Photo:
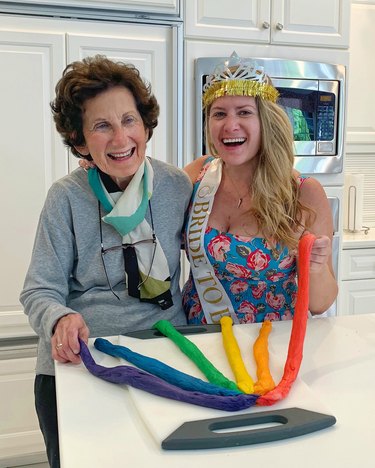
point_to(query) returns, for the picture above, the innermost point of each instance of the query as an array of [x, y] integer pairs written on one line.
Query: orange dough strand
[[232, 350], [297, 337], [265, 381]]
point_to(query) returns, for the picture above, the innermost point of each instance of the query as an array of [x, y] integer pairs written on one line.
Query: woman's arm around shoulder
[[194, 168], [323, 285]]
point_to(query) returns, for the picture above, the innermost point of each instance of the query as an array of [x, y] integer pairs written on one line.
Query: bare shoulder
[[312, 193], [194, 168]]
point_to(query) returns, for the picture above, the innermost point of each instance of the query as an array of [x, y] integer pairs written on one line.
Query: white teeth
[[233, 140], [121, 155]]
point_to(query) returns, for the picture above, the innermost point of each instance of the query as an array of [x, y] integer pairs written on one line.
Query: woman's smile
[[121, 156], [233, 141]]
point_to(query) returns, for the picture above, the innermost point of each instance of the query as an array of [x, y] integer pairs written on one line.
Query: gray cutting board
[[162, 416]]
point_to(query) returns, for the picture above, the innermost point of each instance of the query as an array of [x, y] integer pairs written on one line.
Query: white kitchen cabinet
[[21, 441], [357, 292], [358, 264], [33, 54], [164, 7], [322, 23], [361, 97], [357, 297], [32, 154]]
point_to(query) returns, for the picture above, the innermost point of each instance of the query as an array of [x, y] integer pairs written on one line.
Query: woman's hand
[[85, 164], [320, 253], [64, 342]]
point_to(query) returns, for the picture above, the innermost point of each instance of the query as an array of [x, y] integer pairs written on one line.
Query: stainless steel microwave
[[313, 96]]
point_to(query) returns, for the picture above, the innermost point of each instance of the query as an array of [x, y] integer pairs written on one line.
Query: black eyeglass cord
[[152, 221], [125, 252]]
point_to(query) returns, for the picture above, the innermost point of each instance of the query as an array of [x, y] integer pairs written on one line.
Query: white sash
[[214, 300]]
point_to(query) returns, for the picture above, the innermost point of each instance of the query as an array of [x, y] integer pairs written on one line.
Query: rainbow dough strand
[[195, 354], [297, 336], [232, 350], [142, 380], [265, 382]]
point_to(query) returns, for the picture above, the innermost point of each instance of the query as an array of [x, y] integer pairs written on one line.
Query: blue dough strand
[[137, 378], [162, 370]]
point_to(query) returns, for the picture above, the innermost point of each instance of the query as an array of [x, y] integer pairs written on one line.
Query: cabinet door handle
[[266, 25], [279, 26]]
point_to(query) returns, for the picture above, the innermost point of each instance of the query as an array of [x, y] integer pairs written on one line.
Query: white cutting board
[[162, 416]]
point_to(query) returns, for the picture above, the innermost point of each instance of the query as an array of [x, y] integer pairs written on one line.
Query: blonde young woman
[[250, 208]]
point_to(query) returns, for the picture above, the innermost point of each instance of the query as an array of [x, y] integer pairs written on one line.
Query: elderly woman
[[106, 258], [250, 208]]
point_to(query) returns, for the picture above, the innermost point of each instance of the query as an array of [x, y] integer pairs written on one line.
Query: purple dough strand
[[142, 380]]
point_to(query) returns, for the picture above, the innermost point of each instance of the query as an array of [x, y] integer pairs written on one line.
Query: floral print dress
[[259, 279]]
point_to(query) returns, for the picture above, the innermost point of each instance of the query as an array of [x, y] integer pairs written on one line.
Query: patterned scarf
[[148, 276]]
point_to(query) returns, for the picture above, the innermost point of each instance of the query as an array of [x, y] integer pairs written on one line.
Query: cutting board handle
[[290, 422]]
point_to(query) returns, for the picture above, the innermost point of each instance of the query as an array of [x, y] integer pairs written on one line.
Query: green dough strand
[[213, 375]]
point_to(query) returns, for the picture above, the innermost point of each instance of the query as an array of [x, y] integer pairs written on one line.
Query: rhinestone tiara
[[238, 77]]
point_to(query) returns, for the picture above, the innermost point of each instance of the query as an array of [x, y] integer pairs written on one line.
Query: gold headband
[[237, 77]]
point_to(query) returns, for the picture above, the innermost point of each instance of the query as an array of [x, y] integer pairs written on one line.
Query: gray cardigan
[[66, 273]]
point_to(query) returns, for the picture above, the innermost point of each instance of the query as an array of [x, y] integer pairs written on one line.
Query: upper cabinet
[[170, 7], [361, 97], [322, 23]]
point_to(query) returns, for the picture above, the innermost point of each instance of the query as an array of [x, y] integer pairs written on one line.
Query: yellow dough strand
[[265, 381], [232, 350]]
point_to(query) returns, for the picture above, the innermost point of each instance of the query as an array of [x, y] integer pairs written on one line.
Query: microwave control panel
[[325, 117]]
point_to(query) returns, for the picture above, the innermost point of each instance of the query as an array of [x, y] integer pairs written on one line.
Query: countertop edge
[[359, 240]]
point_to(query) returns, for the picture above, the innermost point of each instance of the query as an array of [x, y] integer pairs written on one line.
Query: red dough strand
[[297, 337]]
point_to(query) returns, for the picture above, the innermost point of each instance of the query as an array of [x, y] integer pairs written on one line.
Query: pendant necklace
[[240, 198]]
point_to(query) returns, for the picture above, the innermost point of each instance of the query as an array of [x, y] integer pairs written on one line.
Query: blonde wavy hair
[[275, 190]]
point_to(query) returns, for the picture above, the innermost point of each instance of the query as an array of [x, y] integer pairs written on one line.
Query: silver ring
[[58, 346]]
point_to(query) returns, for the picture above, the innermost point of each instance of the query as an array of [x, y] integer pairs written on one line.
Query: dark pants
[[46, 408]]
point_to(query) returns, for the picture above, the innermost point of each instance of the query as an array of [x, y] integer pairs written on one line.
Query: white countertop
[[100, 426], [359, 240]]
